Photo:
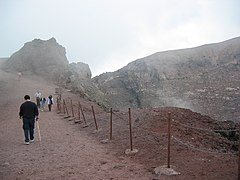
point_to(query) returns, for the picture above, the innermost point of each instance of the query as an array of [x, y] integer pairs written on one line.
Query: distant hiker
[[19, 76], [38, 97], [42, 103], [28, 113], [50, 102]]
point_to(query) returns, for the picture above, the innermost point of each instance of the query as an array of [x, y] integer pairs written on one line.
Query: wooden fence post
[[130, 128], [110, 124], [66, 109], [239, 154], [169, 139], [78, 110], [84, 120], [95, 121], [72, 107]]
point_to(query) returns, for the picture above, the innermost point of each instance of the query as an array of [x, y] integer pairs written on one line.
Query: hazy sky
[[108, 34]]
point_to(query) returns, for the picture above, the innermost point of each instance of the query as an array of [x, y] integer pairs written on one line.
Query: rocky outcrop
[[47, 59], [38, 56], [204, 79], [81, 83], [82, 70]]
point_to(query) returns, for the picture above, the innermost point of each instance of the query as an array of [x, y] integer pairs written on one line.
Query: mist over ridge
[[204, 79]]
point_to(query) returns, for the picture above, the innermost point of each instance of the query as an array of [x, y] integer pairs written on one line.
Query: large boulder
[[45, 58]]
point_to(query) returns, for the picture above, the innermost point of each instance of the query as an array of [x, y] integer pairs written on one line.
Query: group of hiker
[[29, 112], [42, 101]]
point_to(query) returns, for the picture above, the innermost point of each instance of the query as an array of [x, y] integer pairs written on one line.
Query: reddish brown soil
[[69, 151]]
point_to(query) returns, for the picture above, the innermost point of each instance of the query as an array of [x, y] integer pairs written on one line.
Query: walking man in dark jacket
[[28, 113]]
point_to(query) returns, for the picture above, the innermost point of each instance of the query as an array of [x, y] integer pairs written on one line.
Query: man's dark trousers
[[28, 127]]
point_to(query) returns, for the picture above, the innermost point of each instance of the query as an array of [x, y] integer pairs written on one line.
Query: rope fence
[[127, 121]]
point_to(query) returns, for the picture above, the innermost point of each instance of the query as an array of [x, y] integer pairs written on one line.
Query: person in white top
[[50, 102], [38, 97], [19, 76]]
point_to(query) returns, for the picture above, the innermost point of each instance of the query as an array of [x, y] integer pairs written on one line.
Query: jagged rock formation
[[45, 58], [48, 59], [82, 70], [204, 79]]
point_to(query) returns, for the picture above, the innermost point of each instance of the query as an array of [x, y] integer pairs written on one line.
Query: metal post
[[94, 118], [239, 156], [169, 139], [60, 106], [83, 115], [60, 96], [59, 101], [57, 104], [72, 107], [130, 129], [66, 108], [79, 110], [110, 124]]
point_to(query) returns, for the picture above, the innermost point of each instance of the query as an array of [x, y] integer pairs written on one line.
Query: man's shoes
[[31, 141], [26, 143]]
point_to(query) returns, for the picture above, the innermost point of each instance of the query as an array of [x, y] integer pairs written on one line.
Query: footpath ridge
[[65, 152]]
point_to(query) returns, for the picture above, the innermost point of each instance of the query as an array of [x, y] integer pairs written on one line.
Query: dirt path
[[65, 152]]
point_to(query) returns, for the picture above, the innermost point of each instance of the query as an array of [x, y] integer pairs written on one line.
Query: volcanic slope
[[199, 150]]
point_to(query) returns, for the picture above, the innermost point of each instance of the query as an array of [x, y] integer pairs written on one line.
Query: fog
[[109, 34]]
